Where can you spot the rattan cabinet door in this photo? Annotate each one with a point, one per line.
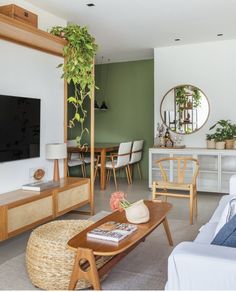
(22, 217)
(72, 198)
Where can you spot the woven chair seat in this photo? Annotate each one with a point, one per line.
(49, 261)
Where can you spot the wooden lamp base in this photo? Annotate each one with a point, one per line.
(56, 176)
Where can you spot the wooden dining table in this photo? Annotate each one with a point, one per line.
(101, 149)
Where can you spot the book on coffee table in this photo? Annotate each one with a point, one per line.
(112, 231)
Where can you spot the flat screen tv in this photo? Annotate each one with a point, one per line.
(19, 128)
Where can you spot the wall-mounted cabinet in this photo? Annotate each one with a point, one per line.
(215, 167)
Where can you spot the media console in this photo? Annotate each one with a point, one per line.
(23, 210)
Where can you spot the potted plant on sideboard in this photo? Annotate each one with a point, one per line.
(225, 131)
(220, 140)
(210, 139)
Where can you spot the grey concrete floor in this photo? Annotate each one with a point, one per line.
(207, 203)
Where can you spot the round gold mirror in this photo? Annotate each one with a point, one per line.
(184, 109)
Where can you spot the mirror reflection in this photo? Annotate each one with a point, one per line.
(184, 109)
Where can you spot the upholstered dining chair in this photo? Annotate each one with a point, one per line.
(180, 164)
(75, 159)
(136, 156)
(117, 161)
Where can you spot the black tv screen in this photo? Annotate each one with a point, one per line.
(19, 128)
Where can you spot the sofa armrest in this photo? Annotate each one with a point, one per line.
(232, 185)
(195, 266)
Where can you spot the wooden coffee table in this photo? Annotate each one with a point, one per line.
(90, 250)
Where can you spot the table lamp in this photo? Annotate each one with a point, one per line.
(56, 151)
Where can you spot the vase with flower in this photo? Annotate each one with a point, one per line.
(136, 212)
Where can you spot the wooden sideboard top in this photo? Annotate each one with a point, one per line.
(192, 149)
(15, 197)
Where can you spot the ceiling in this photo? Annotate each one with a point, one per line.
(128, 30)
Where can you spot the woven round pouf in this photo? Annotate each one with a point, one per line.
(49, 261)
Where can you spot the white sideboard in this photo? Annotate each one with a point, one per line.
(216, 167)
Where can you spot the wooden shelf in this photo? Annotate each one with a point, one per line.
(15, 31)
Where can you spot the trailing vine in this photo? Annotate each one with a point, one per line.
(78, 68)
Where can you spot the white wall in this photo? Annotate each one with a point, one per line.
(31, 73)
(209, 66)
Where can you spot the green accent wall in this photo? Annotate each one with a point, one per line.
(128, 90)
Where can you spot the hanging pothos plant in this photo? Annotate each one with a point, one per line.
(78, 67)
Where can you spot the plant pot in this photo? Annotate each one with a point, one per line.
(137, 213)
(220, 145)
(229, 144)
(211, 144)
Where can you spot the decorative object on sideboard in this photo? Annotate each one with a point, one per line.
(38, 174)
(168, 141)
(56, 151)
(184, 109)
(20, 14)
(136, 212)
(165, 139)
(211, 143)
(224, 135)
(159, 137)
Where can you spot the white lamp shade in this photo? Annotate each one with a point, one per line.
(56, 151)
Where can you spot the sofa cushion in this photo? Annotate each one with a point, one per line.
(227, 214)
(207, 233)
(218, 211)
(227, 234)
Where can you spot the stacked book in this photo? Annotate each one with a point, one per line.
(40, 186)
(112, 231)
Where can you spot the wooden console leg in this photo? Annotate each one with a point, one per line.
(80, 272)
(167, 230)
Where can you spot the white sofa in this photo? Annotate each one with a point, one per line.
(198, 265)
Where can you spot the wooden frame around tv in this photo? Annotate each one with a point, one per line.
(23, 34)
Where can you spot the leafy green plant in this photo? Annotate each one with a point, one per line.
(182, 96)
(79, 53)
(210, 137)
(220, 136)
(196, 98)
(225, 130)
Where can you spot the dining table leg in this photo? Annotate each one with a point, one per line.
(103, 170)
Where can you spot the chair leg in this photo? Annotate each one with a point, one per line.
(139, 170)
(131, 171)
(108, 175)
(191, 199)
(130, 175)
(96, 170)
(196, 205)
(85, 173)
(154, 190)
(127, 175)
(82, 169)
(114, 173)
